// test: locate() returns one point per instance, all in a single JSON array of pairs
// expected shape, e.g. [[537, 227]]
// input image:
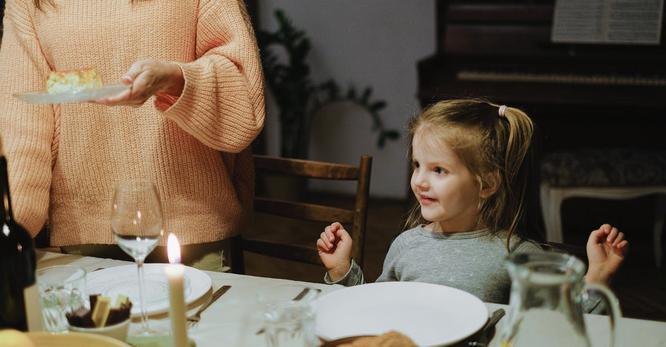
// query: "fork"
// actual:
[[194, 319]]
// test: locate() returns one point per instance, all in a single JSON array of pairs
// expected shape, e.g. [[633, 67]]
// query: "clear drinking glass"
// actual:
[[62, 289], [136, 221], [287, 316]]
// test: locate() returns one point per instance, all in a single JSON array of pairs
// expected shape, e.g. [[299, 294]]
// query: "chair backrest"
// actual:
[[356, 217]]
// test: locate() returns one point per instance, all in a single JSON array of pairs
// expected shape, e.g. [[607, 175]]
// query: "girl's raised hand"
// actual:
[[606, 249], [335, 246]]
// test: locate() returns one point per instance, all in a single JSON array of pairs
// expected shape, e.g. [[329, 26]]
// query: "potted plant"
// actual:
[[299, 97]]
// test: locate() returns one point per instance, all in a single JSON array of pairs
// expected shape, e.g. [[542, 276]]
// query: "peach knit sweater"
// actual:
[[64, 160]]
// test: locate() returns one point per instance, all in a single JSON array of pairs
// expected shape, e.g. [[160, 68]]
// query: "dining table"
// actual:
[[225, 321]]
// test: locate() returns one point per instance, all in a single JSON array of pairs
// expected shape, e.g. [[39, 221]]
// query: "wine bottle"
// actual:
[[19, 298]]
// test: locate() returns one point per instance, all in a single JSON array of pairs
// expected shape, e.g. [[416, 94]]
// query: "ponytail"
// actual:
[[519, 133]]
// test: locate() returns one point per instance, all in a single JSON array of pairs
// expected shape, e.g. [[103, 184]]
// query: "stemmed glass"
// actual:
[[136, 221]]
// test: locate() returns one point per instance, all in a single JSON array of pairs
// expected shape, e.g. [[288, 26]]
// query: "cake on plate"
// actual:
[[72, 81]]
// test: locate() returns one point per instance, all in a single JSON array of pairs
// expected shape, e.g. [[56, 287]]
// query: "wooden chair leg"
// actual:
[[659, 215], [552, 201], [237, 259]]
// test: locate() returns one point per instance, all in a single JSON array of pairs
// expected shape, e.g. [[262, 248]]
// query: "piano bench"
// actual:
[[618, 174]]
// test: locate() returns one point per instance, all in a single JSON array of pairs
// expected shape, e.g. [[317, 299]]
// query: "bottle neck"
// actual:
[[5, 199]]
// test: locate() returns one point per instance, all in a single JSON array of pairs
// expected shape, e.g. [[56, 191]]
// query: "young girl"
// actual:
[[469, 177]]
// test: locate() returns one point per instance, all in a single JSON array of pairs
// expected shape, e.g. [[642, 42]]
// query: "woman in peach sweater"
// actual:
[[197, 95]]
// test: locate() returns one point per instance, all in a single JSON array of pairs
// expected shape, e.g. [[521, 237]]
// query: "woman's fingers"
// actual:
[[113, 100], [135, 70]]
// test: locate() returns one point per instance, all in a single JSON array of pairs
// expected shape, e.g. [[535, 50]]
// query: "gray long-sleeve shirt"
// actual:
[[471, 261]]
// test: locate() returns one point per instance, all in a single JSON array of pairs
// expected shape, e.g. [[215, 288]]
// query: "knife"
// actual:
[[485, 334]]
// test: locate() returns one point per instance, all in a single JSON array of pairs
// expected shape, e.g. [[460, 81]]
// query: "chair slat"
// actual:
[[306, 168], [284, 251], [299, 210]]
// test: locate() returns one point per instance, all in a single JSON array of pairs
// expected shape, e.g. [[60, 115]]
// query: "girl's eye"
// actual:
[[439, 170], [415, 164]]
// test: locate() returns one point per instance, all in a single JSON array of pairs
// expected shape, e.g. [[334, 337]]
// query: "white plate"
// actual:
[[429, 314], [63, 98], [123, 280]]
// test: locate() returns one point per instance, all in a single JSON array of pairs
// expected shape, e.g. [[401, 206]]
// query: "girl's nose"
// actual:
[[420, 180]]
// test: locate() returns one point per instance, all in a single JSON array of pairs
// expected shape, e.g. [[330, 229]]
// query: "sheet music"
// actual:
[[608, 21]]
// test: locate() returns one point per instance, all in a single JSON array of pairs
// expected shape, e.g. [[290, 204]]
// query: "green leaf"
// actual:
[[381, 141], [366, 95], [297, 96], [351, 93], [392, 134], [377, 106]]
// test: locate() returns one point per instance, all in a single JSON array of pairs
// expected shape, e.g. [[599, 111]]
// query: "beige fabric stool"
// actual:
[[618, 174]]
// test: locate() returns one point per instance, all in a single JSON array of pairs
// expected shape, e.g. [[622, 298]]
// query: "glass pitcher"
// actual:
[[547, 298]]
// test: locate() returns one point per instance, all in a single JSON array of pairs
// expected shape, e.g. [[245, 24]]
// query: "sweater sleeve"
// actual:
[[222, 103], [27, 130], [353, 277]]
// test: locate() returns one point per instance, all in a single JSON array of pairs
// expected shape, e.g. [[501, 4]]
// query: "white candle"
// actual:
[[177, 311]]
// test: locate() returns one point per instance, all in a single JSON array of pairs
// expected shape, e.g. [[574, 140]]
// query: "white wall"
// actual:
[[373, 43]]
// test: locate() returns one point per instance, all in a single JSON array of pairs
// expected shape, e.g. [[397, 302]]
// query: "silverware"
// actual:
[[302, 294], [298, 297], [485, 334], [194, 319]]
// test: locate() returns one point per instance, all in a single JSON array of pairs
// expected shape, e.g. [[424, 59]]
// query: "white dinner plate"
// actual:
[[430, 314], [123, 280], [64, 98]]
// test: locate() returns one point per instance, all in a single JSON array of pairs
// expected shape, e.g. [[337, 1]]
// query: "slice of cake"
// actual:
[[73, 81]]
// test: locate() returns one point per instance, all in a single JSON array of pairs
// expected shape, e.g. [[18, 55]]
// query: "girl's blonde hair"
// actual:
[[493, 147]]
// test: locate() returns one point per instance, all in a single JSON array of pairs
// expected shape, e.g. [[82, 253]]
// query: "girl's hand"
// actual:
[[335, 247], [606, 249], [146, 78]]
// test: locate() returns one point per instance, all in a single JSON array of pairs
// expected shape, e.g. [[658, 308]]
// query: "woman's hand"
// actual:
[[335, 247], [146, 78], [606, 249]]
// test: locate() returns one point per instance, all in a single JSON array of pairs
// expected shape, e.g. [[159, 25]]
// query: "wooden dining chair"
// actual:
[[355, 217]]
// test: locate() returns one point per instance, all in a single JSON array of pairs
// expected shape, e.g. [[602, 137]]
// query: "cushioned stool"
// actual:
[[604, 174]]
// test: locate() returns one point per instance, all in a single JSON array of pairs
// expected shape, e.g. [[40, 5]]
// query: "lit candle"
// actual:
[[177, 310]]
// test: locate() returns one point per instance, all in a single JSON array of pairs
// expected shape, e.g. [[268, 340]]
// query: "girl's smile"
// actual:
[[425, 200]]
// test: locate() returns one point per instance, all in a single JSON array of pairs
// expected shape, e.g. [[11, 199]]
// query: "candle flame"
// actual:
[[173, 249]]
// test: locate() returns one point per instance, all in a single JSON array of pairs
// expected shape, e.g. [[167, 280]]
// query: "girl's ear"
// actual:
[[491, 183]]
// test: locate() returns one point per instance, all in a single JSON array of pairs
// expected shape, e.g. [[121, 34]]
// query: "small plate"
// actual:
[[65, 98], [123, 280]]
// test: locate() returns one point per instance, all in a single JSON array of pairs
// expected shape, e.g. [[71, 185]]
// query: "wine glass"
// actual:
[[136, 221]]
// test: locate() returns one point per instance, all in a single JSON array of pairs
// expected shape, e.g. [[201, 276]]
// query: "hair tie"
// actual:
[[501, 110]]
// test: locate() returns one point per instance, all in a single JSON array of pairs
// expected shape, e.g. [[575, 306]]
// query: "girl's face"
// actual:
[[447, 191]]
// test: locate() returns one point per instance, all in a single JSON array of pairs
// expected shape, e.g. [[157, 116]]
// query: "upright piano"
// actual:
[[579, 95]]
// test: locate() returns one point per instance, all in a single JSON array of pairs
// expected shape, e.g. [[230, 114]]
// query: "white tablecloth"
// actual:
[[225, 322]]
